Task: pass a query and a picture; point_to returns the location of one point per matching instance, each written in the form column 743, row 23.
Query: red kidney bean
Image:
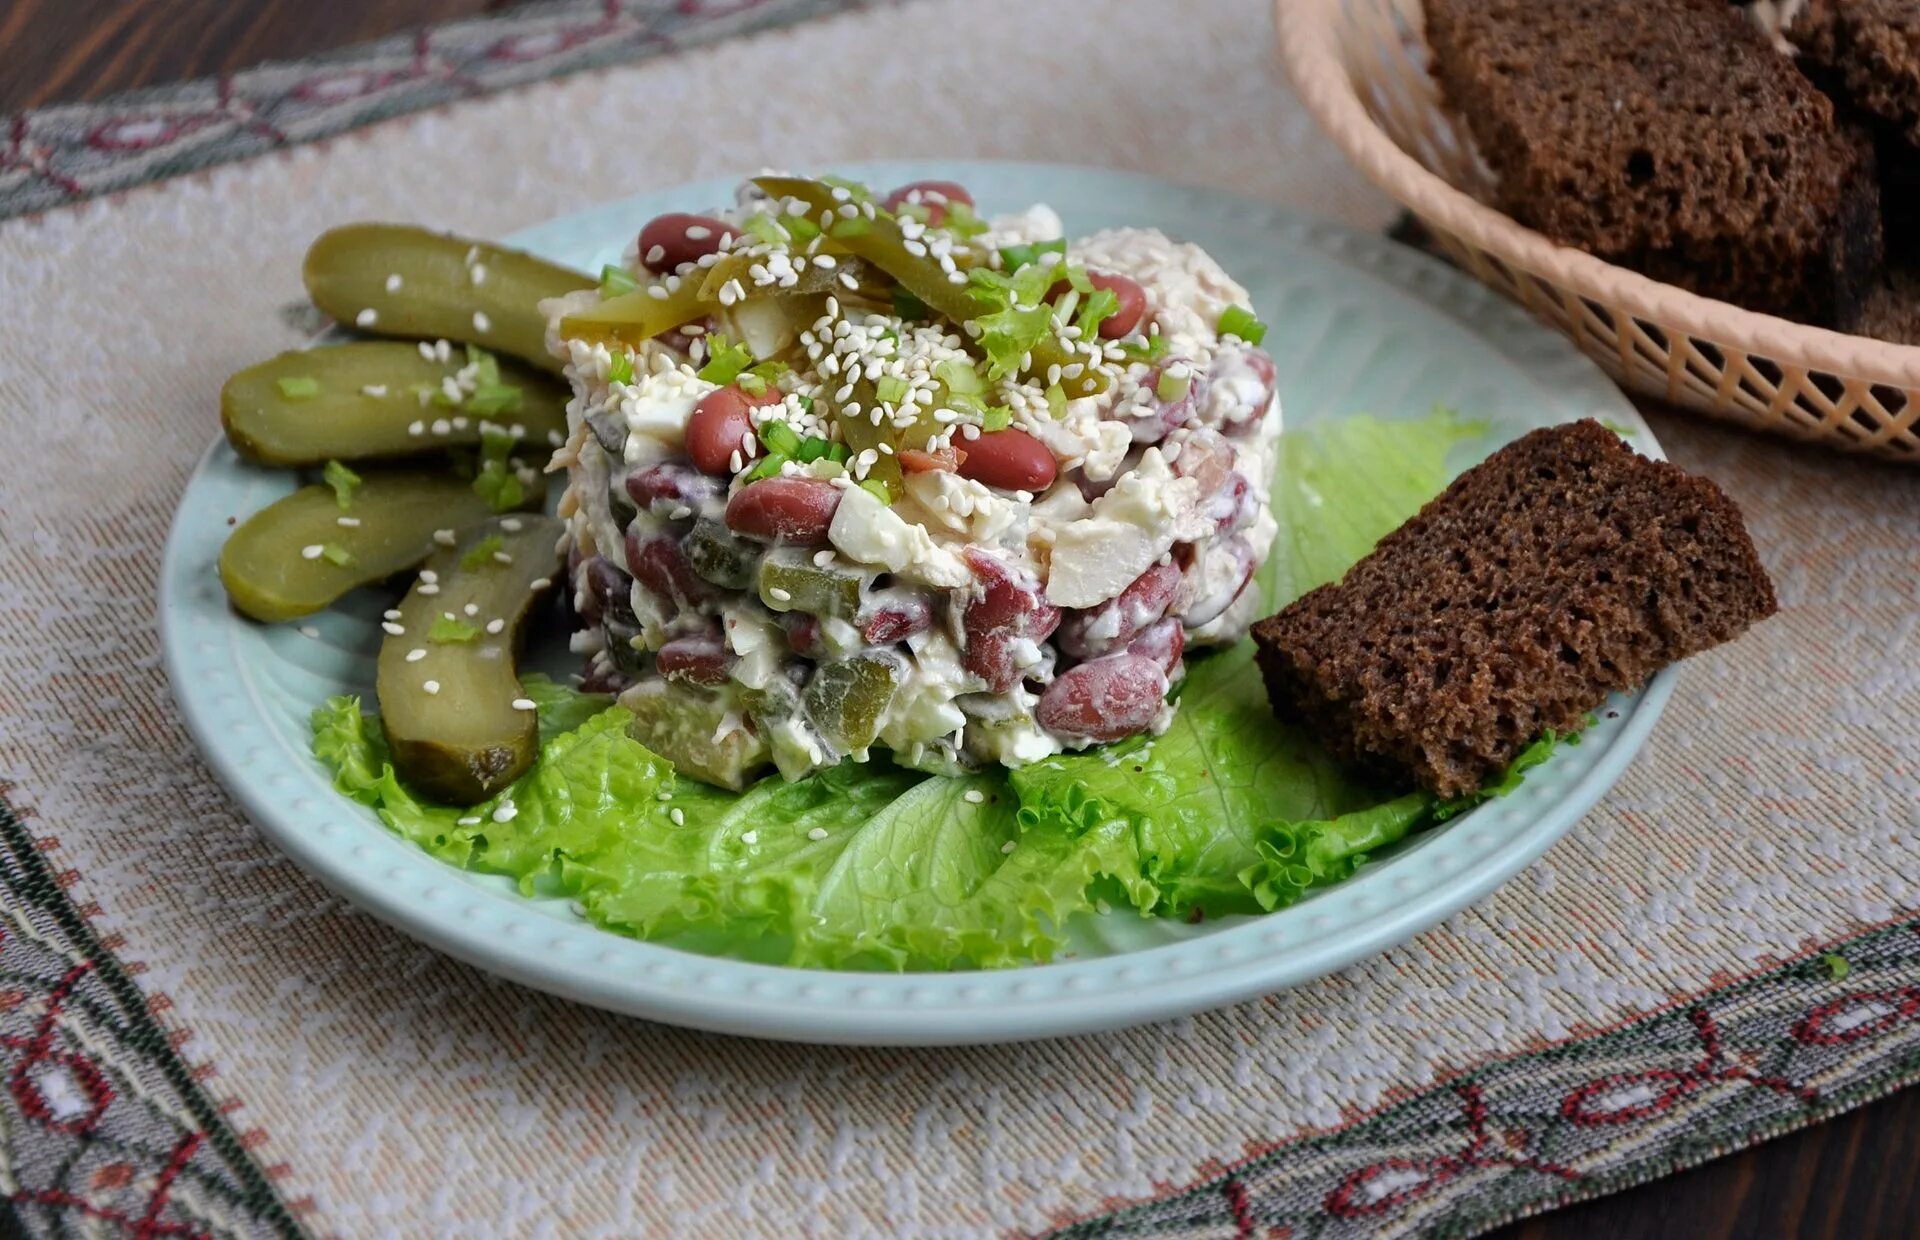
column 1211, row 585
column 1164, row 643
column 1009, row 459
column 677, row 237
column 932, row 195
column 1109, row 627
column 895, row 621
column 661, row 566
column 702, row 659
column 790, row 510
column 1103, row 700
column 722, row 425
column 803, row 634
column 914, row 461
column 609, row 590
column 680, row 339
column 662, row 488
column 1008, row 611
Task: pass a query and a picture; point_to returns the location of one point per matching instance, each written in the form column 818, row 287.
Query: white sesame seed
column 445, row 538
column 426, row 350
column 749, row 837
column 778, row 595
column 511, row 525
column 432, row 687
column 392, row 613
column 663, row 795
column 677, row 816
column 657, row 292
column 734, row 462
column 823, row 558
column 472, row 609
column 655, row 254
column 366, row 318
column 374, row 389
column 540, row 583
column 416, row 654
column 442, row 350
column 496, row 625
column 975, row 796
column 480, row 321
column 393, row 282
column 395, row 629
column 501, row 557
column 1007, row 847
column 525, row 704
column 505, row 813
column 347, row 522
column 818, row 833
column 477, row 273
column 417, row 427
column 470, row 820
column 307, row 630
column 312, row 551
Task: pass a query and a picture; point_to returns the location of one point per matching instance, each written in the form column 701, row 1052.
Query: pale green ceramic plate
column 1358, row 324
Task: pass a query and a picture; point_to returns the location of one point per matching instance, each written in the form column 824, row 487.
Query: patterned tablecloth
column 196, row 1038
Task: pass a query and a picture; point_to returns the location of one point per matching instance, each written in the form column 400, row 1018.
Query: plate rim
column 501, row 934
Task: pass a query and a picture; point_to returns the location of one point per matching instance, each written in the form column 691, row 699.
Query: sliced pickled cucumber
column 695, row 729
column 447, row 687
column 634, row 318
column 845, row 700
column 788, row 584
column 299, row 554
column 721, row 556
column 351, row 270
column 352, row 401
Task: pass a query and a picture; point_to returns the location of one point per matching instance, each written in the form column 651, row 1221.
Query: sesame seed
column 470, row 820
column 480, row 321
column 426, row 350
column 393, row 282
column 417, row 427
column 505, row 813
column 441, row 427
column 540, row 583
column 395, row 629
column 975, row 796
column 749, row 837
column 366, row 318
column 445, row 538
column 818, row 833
column 778, row 595
column 307, row 630
column 823, row 558
column 496, row 625
column 525, row 704
column 655, row 254
column 429, row 576
column 657, row 292
column 677, row 816
column 663, row 795
column 734, row 462
column 511, row 525
column 374, row 389
column 392, row 613
column 1007, row 847
column 698, row 232
column 472, row 609
column 477, row 273
column 473, row 255
column 416, row 654
column 312, row 551
column 432, row 687
column 442, row 351
column 501, row 557
column 347, row 522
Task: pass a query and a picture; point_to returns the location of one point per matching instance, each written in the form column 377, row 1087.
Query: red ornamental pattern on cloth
column 1777, row 1051
column 69, row 152
column 103, row 1125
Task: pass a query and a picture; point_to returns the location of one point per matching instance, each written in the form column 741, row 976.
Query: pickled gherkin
column 397, row 280
column 788, row 584
column 459, row 724
column 698, row 730
column 300, row 553
column 634, row 318
column 349, row 402
column 845, row 700
column 721, row 556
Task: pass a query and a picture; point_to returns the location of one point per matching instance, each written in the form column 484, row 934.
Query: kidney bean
column 803, row 634
column 661, row 566
column 1109, row 627
column 680, row 339
column 1132, row 299
column 677, row 237
column 895, row 621
column 1103, row 700
column 1213, row 581
column 660, row 489
column 914, row 461
column 1163, row 642
column 722, row 425
column 609, row 591
column 1010, row 459
column 701, row 659
column 1008, row 612
column 789, row 510
column 932, row 195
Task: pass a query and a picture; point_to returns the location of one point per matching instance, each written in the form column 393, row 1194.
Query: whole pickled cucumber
column 299, row 554
column 458, row 722
column 398, row 280
column 349, row 402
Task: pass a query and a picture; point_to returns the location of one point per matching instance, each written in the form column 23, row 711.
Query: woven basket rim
column 1310, row 54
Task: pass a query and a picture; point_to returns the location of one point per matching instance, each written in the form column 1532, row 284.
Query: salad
column 906, row 477
column 908, row 551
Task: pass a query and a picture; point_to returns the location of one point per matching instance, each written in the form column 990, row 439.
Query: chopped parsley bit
column 768, row 467
column 1102, row 304
column 298, row 387
column 1057, row 401
column 620, row 370
column 497, row 482
column 1837, row 966
column 445, row 630
column 779, row 438
column 1240, row 321
column 878, row 489
column 490, row 395
column 811, row 449
column 617, row 280
column 1015, row 257
column 726, row 361
column 997, row 418
column 343, row 481
column 334, row 553
column 1170, row 388
column 909, row 308
column 481, row 553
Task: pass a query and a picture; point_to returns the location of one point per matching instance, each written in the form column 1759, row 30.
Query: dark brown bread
column 1667, row 136
column 1562, row 568
column 1866, row 55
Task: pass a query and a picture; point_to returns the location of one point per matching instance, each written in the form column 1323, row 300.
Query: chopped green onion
column 334, row 553
column 768, row 467
column 620, row 369
column 891, row 389
column 486, row 367
column 1101, row 305
column 756, row 381
column 446, row 630
column 1837, row 966
column 1015, row 257
column 1067, row 304
column 801, row 228
column 858, row 226
column 1171, row 388
column 725, row 361
column 908, row 307
column 812, row 448
column 996, row 418
column 342, row 480
column 780, row 438
column 838, row 451
column 878, row 489
column 617, row 280
column 299, row 387
column 1057, row 401
column 1240, row 321
column 1152, row 351
column 765, row 229
column 481, row 553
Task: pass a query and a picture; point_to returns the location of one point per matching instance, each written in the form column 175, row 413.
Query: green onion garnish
column 1057, row 401
column 298, row 387
column 445, row 630
column 1171, row 388
column 838, row 451
column 780, row 438
column 962, row 221
column 620, row 369
column 1837, row 966
column 480, row 555
column 342, row 480
column 768, row 467
column 997, row 418
column 765, row 229
column 1240, row 321
column 812, row 448
column 891, row 389
column 878, row 489
column 801, row 228
column 334, row 553
column 617, row 280
column 492, row 398
column 1015, row 257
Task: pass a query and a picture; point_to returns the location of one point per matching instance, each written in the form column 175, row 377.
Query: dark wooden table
column 1850, row 1178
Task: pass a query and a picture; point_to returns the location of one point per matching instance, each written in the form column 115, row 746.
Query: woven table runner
column 195, row 1038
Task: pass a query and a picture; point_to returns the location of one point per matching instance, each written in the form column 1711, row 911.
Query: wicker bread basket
column 1360, row 67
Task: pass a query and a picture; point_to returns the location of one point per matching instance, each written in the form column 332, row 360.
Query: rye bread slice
column 1669, row 137
column 1559, row 570
column 1865, row 54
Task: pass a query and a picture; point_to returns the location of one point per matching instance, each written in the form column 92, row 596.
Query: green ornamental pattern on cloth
column 1662, row 966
